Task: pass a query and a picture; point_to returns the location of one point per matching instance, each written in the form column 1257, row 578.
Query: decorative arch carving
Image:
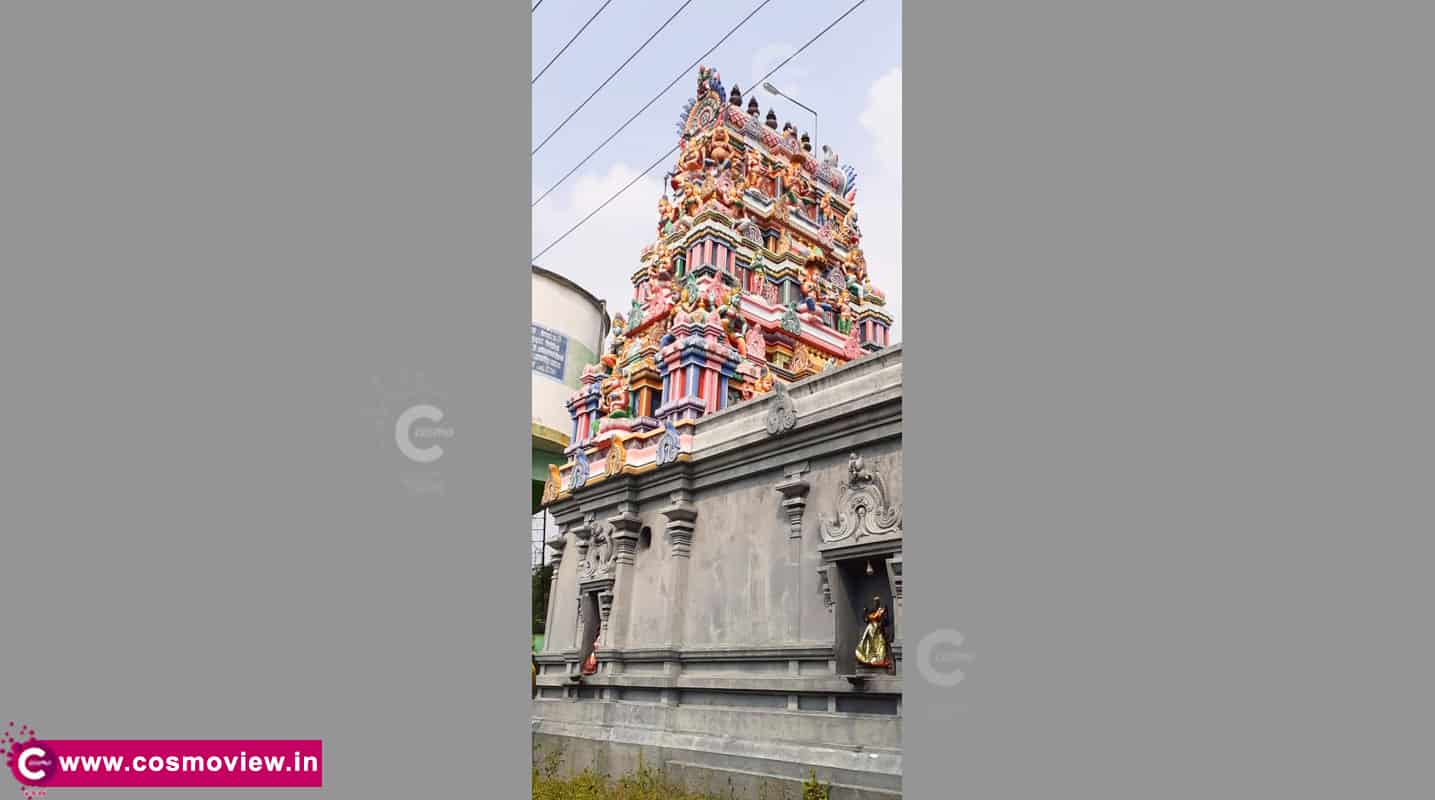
column 864, row 509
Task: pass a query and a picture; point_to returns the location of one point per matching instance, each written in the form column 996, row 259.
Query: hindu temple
column 728, row 590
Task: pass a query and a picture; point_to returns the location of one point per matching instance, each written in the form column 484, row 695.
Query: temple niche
column 730, row 546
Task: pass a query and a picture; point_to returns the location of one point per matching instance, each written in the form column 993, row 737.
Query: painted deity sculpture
column 756, row 170
column 691, row 159
column 873, row 649
column 667, row 216
column 590, row 664
column 719, row 145
column 794, row 183
column 811, row 292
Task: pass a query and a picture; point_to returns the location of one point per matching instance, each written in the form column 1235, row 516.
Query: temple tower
column 755, row 277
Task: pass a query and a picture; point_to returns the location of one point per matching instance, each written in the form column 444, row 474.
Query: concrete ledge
column 876, row 685
column 836, row 731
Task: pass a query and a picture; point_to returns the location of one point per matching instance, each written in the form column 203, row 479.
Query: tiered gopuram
column 755, row 277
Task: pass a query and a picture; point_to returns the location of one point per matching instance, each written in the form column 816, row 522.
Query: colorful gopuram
column 755, row 277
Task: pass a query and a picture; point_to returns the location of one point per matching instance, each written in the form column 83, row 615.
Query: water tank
column 569, row 325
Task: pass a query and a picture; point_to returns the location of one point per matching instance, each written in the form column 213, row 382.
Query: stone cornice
column 780, row 684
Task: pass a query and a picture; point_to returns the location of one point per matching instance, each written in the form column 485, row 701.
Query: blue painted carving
column 668, row 445
column 579, row 476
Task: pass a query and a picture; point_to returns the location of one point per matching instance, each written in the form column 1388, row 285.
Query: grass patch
column 647, row 783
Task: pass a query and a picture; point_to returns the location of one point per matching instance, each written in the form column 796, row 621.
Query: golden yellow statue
column 552, row 486
column 617, row 456
column 872, row 648
column 764, row 384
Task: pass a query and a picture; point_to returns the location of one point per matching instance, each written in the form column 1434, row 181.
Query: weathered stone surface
column 727, row 616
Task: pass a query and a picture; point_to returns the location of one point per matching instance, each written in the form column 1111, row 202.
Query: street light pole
column 774, row 90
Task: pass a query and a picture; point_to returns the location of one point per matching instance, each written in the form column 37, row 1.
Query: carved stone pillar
column 894, row 579
column 681, row 518
column 556, row 543
column 582, row 533
column 625, row 526
column 605, row 610
column 824, row 584
column 794, row 490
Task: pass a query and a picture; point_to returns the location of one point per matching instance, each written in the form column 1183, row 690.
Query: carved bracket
column 625, row 526
column 794, row 501
column 682, row 521
column 864, row 509
column 582, row 532
column 557, row 543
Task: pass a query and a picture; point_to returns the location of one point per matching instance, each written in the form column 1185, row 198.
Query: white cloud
column 882, row 117
column 879, row 191
column 603, row 252
column 789, row 79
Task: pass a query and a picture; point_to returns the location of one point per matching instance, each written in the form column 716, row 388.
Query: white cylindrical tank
column 569, row 325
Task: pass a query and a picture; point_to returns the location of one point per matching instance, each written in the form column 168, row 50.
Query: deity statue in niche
column 873, row 649
column 590, row 664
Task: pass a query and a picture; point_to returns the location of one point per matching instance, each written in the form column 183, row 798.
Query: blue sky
column 851, row 76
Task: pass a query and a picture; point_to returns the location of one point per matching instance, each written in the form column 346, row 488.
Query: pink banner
column 161, row 763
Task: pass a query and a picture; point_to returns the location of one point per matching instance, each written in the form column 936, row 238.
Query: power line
column 536, row 5
column 819, row 35
column 647, row 105
column 610, row 77
column 570, row 41
column 629, row 185
column 664, row 156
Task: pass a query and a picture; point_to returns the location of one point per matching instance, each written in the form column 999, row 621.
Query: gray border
column 235, row 237
column 1168, row 404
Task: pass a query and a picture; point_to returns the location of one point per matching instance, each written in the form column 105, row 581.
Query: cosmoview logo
column 409, row 433
column 35, row 762
column 938, row 656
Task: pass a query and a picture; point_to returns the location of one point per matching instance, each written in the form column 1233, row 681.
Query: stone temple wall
column 725, row 591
